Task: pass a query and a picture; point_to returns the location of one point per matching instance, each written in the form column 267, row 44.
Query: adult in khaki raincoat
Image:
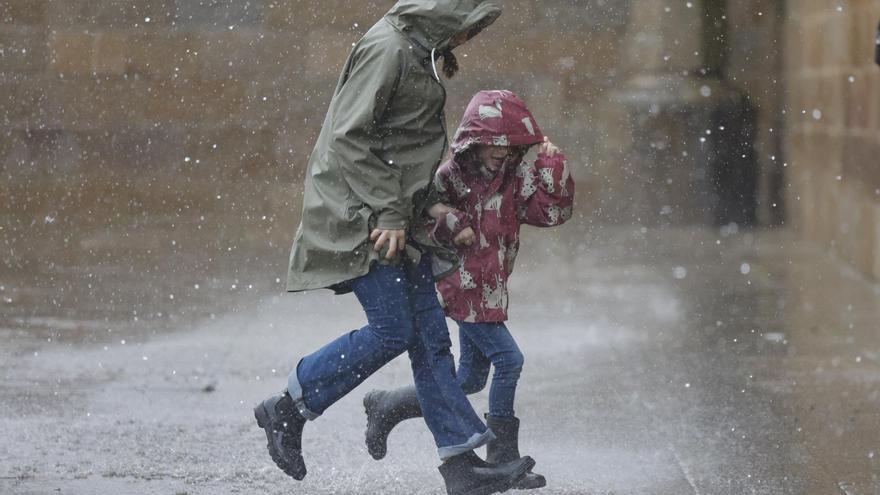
column 366, row 193
column 382, row 139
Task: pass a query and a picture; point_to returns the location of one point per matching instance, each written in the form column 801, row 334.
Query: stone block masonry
column 123, row 88
column 833, row 127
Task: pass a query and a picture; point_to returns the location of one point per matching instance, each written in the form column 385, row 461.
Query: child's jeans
column 483, row 344
column 403, row 314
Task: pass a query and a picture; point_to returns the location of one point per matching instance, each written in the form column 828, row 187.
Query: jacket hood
column 431, row 23
column 496, row 117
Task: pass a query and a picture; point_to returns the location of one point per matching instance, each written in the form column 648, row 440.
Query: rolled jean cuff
column 475, row 441
column 296, row 393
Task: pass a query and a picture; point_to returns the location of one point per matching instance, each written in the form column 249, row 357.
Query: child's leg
column 496, row 343
column 473, row 365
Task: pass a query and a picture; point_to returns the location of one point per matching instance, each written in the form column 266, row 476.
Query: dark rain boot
column 505, row 448
column 283, row 424
column 385, row 409
column 467, row 474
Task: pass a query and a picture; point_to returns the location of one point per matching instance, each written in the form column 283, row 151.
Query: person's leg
column 324, row 376
column 385, row 409
column 496, row 343
column 450, row 417
column 445, row 406
column 473, row 365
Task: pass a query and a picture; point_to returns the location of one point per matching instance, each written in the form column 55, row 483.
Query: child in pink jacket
column 486, row 193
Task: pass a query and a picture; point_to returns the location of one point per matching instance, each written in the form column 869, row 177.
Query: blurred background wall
column 201, row 105
column 832, row 127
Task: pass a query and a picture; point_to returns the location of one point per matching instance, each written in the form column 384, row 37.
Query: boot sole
column 502, row 486
column 262, row 416
column 263, row 421
column 368, row 410
column 525, row 484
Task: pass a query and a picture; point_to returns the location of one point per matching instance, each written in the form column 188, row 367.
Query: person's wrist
column 438, row 210
column 391, row 220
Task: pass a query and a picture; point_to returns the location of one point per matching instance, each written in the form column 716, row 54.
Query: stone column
column 691, row 159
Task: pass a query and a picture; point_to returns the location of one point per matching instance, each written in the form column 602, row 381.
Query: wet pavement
column 658, row 361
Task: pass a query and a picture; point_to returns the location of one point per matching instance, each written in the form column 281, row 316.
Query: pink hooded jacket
column 495, row 206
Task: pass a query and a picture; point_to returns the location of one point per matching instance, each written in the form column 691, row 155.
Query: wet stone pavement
column 658, row 361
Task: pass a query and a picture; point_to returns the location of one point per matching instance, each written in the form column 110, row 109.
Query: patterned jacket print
column 495, row 205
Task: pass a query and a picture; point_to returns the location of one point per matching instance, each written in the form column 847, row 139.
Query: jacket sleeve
column 370, row 81
column 545, row 191
column 444, row 230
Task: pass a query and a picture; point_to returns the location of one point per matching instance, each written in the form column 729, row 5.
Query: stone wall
column 139, row 86
column 833, row 127
column 213, row 88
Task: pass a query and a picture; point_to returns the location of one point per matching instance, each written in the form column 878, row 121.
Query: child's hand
column 465, row 237
column 438, row 211
column 548, row 148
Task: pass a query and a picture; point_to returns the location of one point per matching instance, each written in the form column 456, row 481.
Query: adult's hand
column 396, row 239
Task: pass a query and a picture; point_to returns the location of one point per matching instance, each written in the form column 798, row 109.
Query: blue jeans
column 403, row 314
column 483, row 344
